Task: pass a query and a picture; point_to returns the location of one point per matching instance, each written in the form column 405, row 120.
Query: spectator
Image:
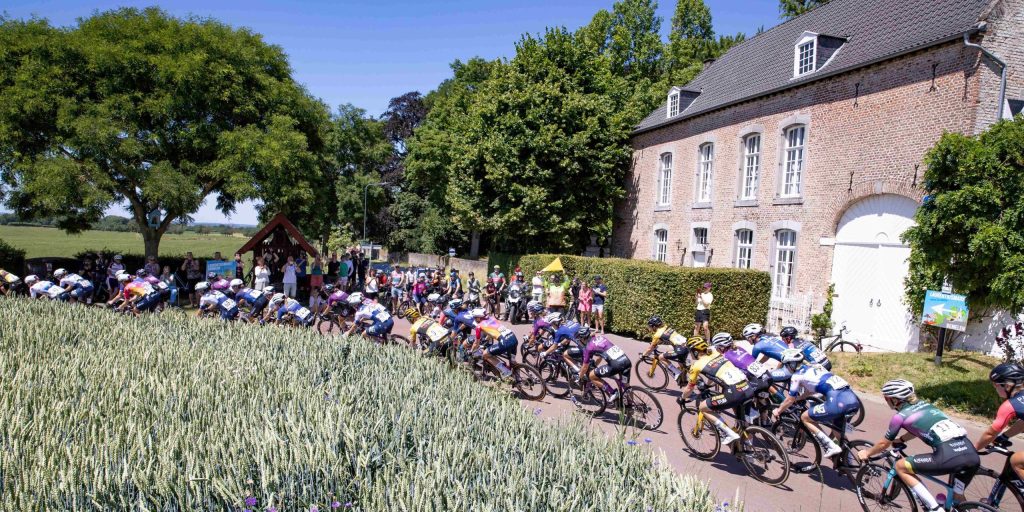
column 87, row 272
column 419, row 293
column 239, row 267
column 574, row 296
column 410, row 278
column 586, row 301
column 454, row 289
column 333, row 269
column 345, row 271
column 702, row 318
column 290, row 281
column 168, row 278
column 112, row 269
column 364, row 266
column 316, row 274
column 217, row 257
column 500, row 283
column 556, row 293
column 398, row 284
column 151, row 266
column 300, row 265
column 537, row 287
column 193, row 274
column 260, row 274
column 600, row 296
column 372, row 286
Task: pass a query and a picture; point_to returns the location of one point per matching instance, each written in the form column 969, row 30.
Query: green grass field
column 40, row 242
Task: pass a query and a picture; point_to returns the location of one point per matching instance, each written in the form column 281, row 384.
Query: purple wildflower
column 631, row 442
column 536, row 412
column 271, row 509
column 648, row 440
column 348, row 504
column 314, row 508
column 250, row 501
column 335, row 504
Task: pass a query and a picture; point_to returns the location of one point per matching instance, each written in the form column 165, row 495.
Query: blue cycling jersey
column 568, row 330
column 811, row 352
column 770, row 346
column 248, row 294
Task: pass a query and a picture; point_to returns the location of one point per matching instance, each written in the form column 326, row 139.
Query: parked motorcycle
column 514, row 304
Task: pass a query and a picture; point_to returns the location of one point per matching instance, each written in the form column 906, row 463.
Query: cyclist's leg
column 710, row 409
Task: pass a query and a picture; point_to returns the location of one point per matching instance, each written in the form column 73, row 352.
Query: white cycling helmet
column 268, row 290
column 478, row 313
column 455, row 303
column 553, row 318
column 899, row 389
column 59, row 273
column 122, row 277
column 236, row 282
column 32, row 279
column 202, row 286
column 277, row 298
column 355, row 299
column 752, row 330
column 433, row 298
column 792, row 359
column 722, row 340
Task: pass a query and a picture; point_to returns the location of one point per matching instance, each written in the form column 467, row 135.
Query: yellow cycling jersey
column 719, row 370
column 666, row 335
column 425, row 326
column 8, row 277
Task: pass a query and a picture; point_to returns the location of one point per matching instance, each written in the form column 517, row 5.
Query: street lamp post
column 365, row 189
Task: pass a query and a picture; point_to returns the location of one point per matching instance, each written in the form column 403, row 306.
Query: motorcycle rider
column 473, row 295
column 514, row 302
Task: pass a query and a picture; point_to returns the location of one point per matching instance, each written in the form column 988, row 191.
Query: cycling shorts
column 956, row 456
column 620, row 366
column 729, row 399
column 504, row 345
column 148, row 303
column 258, row 305
column 229, row 314
column 381, row 328
column 837, row 405
column 678, row 354
column 81, row 292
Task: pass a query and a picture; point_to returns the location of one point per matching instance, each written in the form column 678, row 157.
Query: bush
column 171, row 412
column 133, row 262
column 639, row 289
column 12, row 259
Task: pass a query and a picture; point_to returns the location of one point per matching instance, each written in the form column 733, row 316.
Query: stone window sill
column 788, row 200
column 701, row 206
column 743, row 203
column 663, row 208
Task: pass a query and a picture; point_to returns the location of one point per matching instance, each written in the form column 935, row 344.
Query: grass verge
column 41, row 242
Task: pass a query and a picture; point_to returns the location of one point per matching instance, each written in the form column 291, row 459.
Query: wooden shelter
column 280, row 237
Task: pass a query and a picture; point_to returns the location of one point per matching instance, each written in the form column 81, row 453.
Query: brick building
column 800, row 151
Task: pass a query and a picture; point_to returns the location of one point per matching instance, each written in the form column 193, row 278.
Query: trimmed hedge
column 12, row 259
column 637, row 289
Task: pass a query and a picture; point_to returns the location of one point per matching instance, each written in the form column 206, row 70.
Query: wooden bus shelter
column 280, row 237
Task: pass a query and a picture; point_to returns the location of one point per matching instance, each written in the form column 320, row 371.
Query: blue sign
column 225, row 269
column 948, row 310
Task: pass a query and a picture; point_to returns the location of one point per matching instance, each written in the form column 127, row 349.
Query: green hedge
column 638, row 289
column 12, row 259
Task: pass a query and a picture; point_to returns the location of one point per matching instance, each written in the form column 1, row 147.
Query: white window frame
column 805, row 63
column 744, row 248
column 673, row 104
column 660, row 252
column 794, row 158
column 698, row 242
column 750, row 173
column 784, row 267
column 705, row 172
column 664, row 190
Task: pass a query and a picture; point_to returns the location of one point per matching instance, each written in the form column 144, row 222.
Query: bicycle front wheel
column 641, row 409
column 555, row 379
column 844, row 346
column 987, row 487
column 801, row 447
column 703, row 439
column 528, row 382
column 589, row 399
column 876, row 490
column 651, row 373
column 764, row 456
column 974, row 505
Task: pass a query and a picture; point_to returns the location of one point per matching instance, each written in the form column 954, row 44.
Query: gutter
column 994, row 57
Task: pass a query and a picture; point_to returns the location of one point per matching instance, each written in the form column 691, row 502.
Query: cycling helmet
column 752, row 330
column 1007, row 373
column 141, row 273
column 697, row 343
column 30, row 280
column 535, row 307
column 236, row 282
column 722, row 340
column 268, row 290
column 328, row 288
column 583, row 333
column 478, row 313
column 200, row 286
column 59, row 273
column 899, row 389
column 412, row 314
column 792, row 359
column 455, row 303
column 211, row 276
column 355, row 299
column 553, row 318
column 433, row 298
column 788, row 332
column 124, row 277
column 655, row 321
column 277, row 298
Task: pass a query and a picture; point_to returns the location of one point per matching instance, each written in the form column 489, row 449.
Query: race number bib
column 436, row 333
column 161, row 286
column 54, row 291
column 615, row 353
column 504, row 332
column 228, row 304
column 677, row 339
column 757, row 369
column 382, row 316
column 817, row 355
column 731, row 375
column 837, row 382
column 947, row 430
column 302, row 313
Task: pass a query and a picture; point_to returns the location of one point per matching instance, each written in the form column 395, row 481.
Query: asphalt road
column 725, row 475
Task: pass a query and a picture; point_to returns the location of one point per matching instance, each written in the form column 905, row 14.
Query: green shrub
column 12, row 259
column 637, row 289
column 171, row 412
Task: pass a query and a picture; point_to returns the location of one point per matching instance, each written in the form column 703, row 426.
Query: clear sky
column 366, row 52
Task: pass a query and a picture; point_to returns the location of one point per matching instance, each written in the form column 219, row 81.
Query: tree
column 793, row 8
column 362, row 151
column 970, row 228
column 157, row 112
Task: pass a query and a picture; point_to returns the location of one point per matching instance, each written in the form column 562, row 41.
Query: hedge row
column 12, row 259
column 638, row 289
column 133, row 261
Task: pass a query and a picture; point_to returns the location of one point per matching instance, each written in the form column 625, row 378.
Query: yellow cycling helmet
column 412, row 314
column 697, row 343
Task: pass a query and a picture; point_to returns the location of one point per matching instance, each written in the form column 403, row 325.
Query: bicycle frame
column 948, row 486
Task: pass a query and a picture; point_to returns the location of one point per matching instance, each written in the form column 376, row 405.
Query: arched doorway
column 868, row 267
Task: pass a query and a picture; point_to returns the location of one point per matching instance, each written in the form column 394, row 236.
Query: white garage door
column 868, row 268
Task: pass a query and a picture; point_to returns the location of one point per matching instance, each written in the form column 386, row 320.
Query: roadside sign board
column 225, row 269
column 945, row 310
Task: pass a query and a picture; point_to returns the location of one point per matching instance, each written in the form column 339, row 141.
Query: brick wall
column 867, row 130
column 1004, row 36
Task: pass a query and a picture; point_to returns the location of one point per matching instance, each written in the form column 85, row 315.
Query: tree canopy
column 793, row 8
column 138, row 107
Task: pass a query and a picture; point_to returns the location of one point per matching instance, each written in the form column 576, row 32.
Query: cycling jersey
column 812, row 353
column 616, row 362
column 337, row 299
column 8, row 277
column 665, row 335
column 82, row 289
column 504, row 339
column 839, row 399
column 567, row 331
column 926, row 422
column 952, row 452
column 1010, row 410
column 769, row 346
column 718, row 370
column 381, row 321
column 426, row 327
column 46, row 288
column 463, row 320
column 70, row 280
column 295, row 308
column 215, row 299
column 220, row 285
column 743, row 360
column 539, row 324
column 137, row 289
column 248, row 295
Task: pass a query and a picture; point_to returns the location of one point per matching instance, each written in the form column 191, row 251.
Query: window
column 665, row 180
column 704, row 173
column 805, row 62
column 673, row 104
column 700, row 244
column 793, row 161
column 751, row 165
column 785, row 261
column 744, row 248
column 661, row 245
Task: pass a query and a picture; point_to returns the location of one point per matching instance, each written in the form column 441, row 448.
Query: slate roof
column 874, row 30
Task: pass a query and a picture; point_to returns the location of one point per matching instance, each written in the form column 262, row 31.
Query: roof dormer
column 813, row 51
column 679, row 98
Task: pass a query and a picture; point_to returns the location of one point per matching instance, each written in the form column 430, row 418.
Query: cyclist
column 293, row 312
column 811, row 352
column 661, row 333
column 734, row 389
column 1008, row 379
column 375, row 317
column 215, row 301
column 810, row 379
column 217, row 282
column 612, row 362
column 424, row 327
column 234, row 286
column 757, row 374
column 77, row 287
column 273, row 305
column 118, row 296
column 952, row 452
column 8, row 282
column 254, row 299
column 502, row 339
column 39, row 289
column 540, row 324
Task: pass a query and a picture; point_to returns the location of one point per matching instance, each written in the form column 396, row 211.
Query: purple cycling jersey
column 153, row 280
column 601, row 346
column 539, row 324
column 739, row 358
column 336, row 297
column 220, row 284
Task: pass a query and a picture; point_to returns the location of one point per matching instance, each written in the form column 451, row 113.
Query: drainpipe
column 1002, row 64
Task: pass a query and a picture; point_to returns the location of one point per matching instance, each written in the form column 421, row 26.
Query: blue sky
column 366, row 52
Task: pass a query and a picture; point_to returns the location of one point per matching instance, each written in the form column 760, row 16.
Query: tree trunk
column 151, row 239
column 474, row 244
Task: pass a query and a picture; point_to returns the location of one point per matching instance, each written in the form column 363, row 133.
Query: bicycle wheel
column 973, row 505
column 764, row 456
column 528, row 382
column 876, row 490
column 641, row 409
column 844, row 346
column 555, row 379
column 801, row 447
column 856, row 418
column 528, row 354
column 654, row 376
column 589, row 399
column 704, row 442
column 398, row 339
column 988, row 488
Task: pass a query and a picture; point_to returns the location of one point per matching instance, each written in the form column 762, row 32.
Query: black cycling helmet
column 788, row 332
column 655, row 321
column 1007, row 373
column 328, row 288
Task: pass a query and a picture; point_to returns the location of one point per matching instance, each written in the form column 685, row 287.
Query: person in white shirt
column 537, row 285
column 290, row 281
column 260, row 274
column 702, row 318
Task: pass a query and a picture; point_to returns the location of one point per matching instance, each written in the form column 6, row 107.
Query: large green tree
column 138, row 107
column 793, row 8
column 362, row 151
column 970, row 229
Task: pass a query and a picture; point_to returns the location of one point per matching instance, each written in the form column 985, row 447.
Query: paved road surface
column 726, row 475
